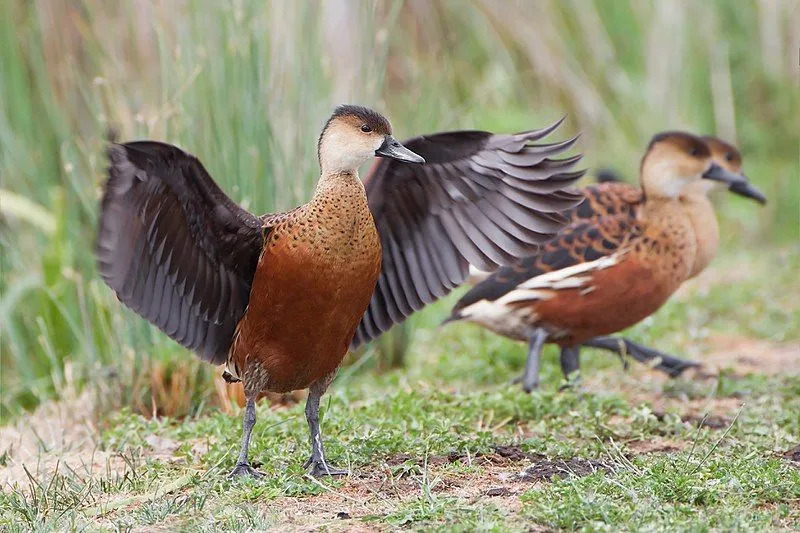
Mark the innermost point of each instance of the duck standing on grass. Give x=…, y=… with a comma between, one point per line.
x=622, y=256
x=279, y=299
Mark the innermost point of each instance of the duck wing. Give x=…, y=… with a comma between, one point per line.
x=480, y=199
x=175, y=248
x=607, y=199
x=565, y=262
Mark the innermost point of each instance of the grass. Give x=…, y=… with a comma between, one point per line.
x=687, y=454
x=246, y=86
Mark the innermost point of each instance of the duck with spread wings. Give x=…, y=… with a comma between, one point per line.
x=279, y=299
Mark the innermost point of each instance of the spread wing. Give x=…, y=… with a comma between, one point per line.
x=562, y=263
x=479, y=199
x=174, y=247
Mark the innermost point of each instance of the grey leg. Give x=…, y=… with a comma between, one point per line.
x=530, y=379
x=612, y=344
x=570, y=363
x=673, y=366
x=319, y=466
x=243, y=467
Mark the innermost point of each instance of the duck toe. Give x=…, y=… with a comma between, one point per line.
x=244, y=470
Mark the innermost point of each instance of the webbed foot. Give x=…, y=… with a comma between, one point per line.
x=244, y=469
x=319, y=468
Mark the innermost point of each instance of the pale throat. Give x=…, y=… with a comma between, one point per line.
x=338, y=153
x=661, y=179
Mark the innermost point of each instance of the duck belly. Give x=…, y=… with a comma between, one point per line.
x=614, y=299
x=305, y=304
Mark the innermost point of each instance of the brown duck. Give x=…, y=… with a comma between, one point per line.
x=624, y=253
x=614, y=197
x=279, y=299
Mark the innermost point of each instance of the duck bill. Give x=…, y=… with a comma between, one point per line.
x=737, y=183
x=392, y=149
x=747, y=189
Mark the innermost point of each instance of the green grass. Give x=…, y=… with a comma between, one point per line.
x=393, y=429
x=246, y=86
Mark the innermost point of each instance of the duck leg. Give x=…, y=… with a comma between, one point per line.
x=570, y=364
x=243, y=467
x=672, y=366
x=530, y=379
x=319, y=466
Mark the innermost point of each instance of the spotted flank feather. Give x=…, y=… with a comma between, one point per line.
x=566, y=262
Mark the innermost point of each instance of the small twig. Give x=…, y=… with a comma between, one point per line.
x=620, y=456
x=718, y=441
x=502, y=423
x=696, y=437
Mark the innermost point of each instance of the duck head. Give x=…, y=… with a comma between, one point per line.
x=728, y=157
x=676, y=162
x=355, y=134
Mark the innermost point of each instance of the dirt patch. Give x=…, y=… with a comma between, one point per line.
x=373, y=495
x=744, y=355
x=710, y=421
x=502, y=455
x=58, y=436
x=541, y=469
x=546, y=470
x=705, y=420
x=641, y=386
x=499, y=491
x=655, y=446
x=793, y=454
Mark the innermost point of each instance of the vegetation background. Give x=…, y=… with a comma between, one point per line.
x=246, y=85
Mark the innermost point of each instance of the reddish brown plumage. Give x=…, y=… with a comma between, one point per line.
x=652, y=253
x=318, y=259
x=623, y=296
x=655, y=255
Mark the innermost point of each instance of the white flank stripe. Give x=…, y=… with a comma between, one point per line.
x=541, y=287
x=567, y=278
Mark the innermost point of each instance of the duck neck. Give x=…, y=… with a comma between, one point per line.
x=701, y=215
x=656, y=205
x=340, y=191
x=341, y=181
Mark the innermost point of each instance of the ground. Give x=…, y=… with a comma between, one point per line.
x=448, y=443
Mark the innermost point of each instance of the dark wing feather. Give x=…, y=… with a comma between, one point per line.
x=175, y=248
x=480, y=199
x=580, y=242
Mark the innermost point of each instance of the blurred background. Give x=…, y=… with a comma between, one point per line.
x=247, y=85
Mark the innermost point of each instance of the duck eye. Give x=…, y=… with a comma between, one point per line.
x=729, y=157
x=366, y=129
x=693, y=151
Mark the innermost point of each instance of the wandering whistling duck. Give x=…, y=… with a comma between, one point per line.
x=625, y=251
x=279, y=299
x=617, y=197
